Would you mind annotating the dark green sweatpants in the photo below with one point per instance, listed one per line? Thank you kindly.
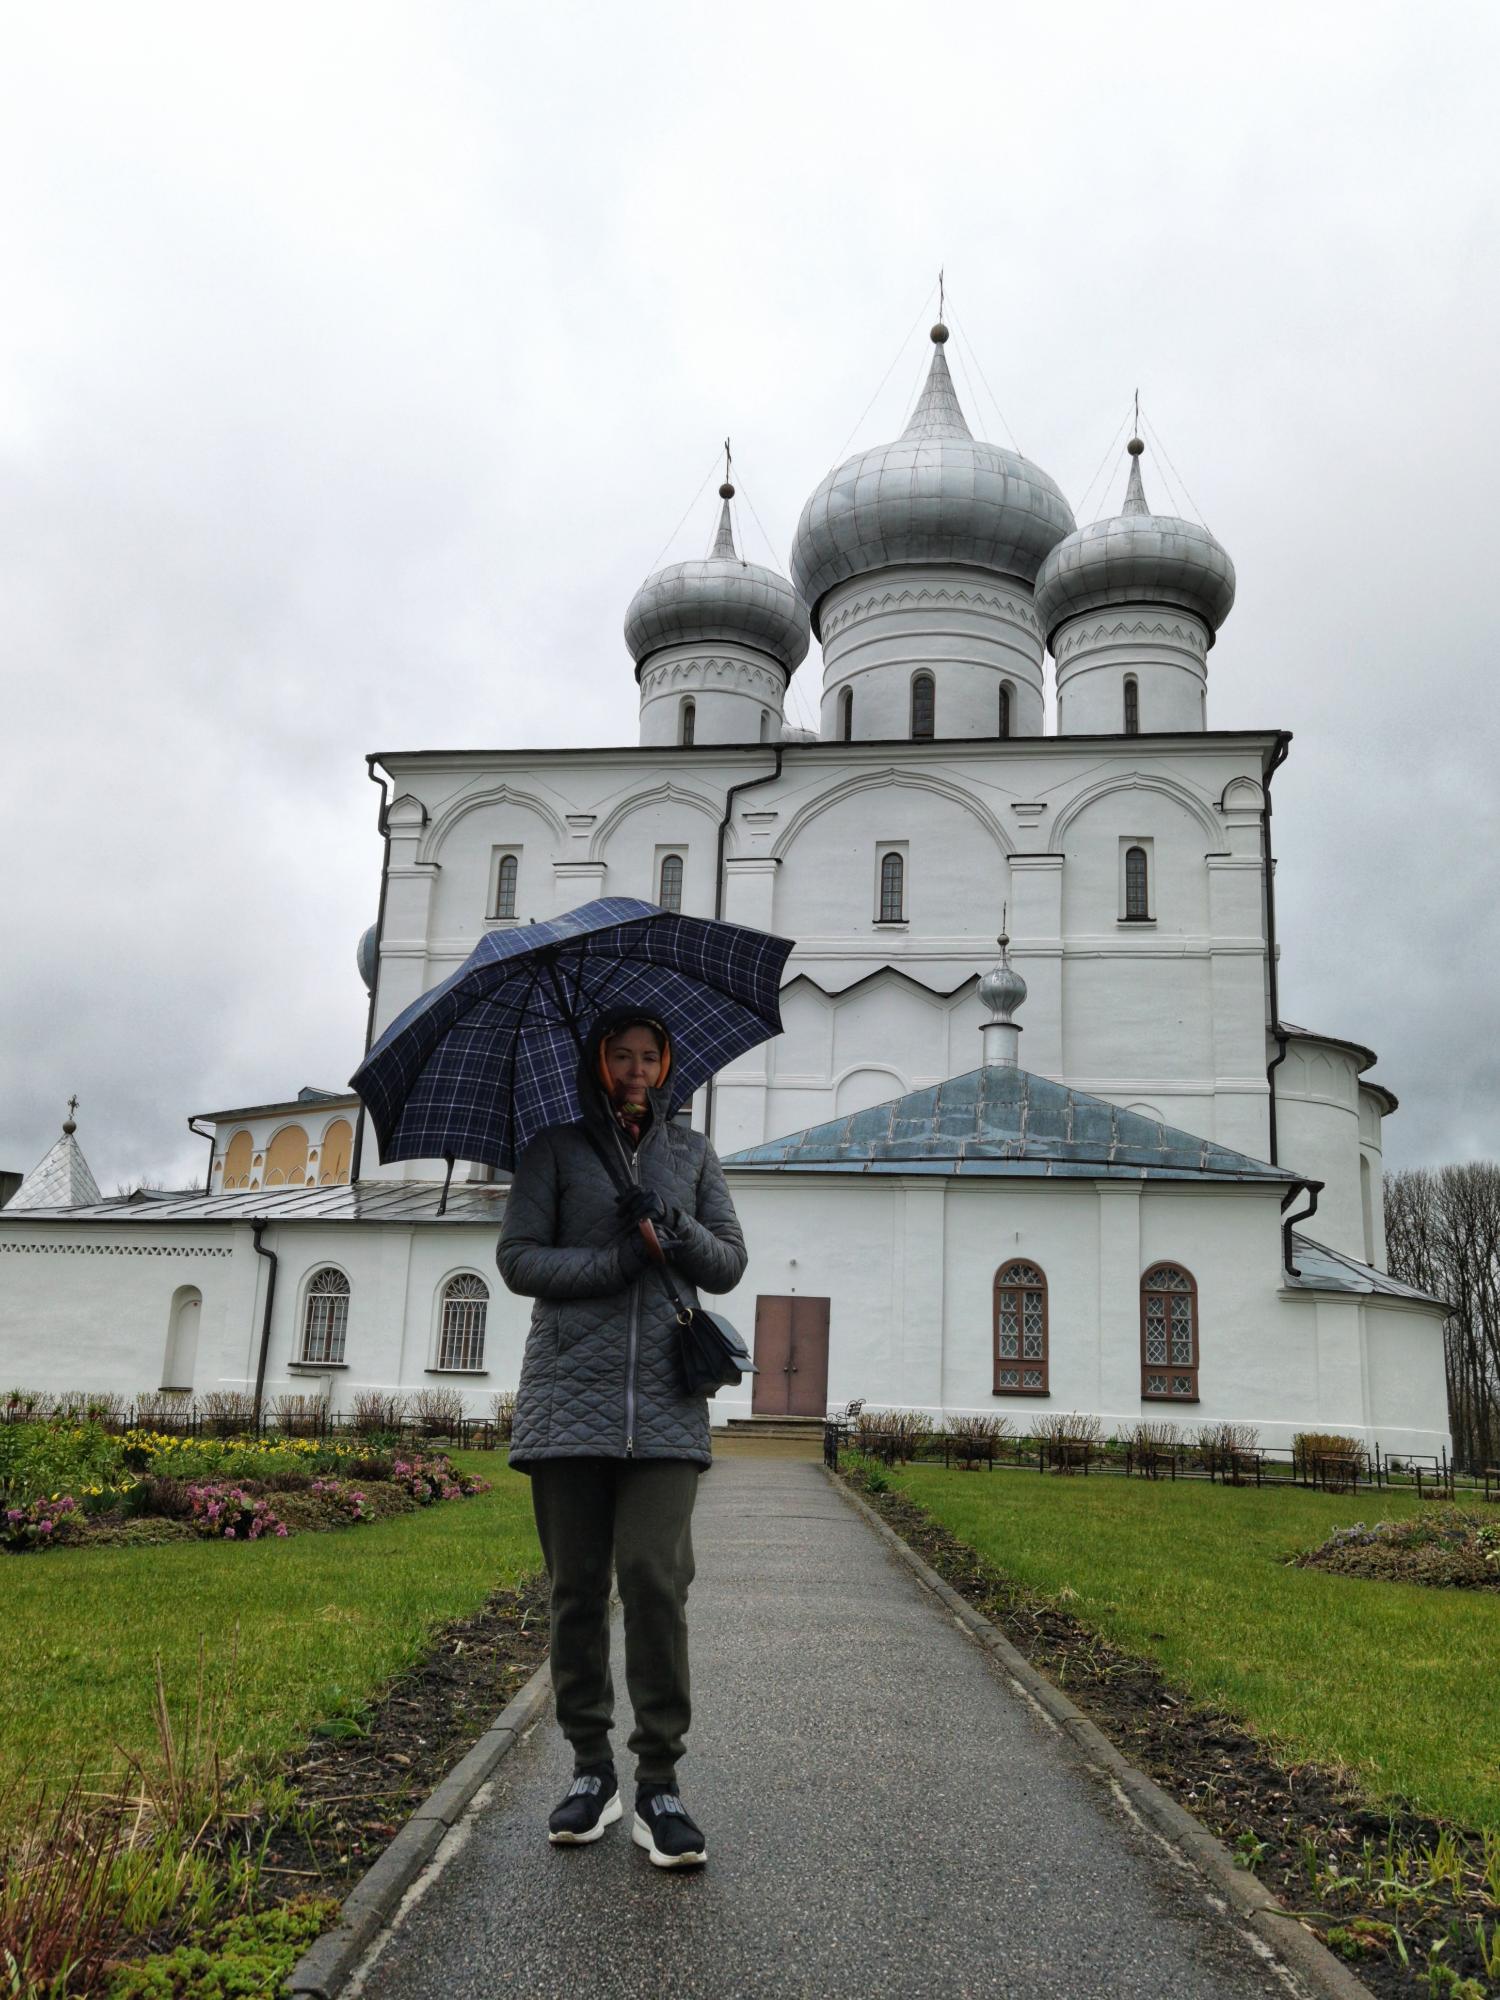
(635, 1515)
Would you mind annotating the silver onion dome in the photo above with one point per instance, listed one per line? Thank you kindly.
(1002, 989)
(1136, 557)
(719, 600)
(936, 494)
(367, 959)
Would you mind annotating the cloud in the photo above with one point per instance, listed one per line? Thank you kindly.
(356, 362)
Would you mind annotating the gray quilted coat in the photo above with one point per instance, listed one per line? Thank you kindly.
(599, 1378)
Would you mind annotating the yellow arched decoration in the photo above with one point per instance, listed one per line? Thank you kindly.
(237, 1162)
(338, 1143)
(286, 1158)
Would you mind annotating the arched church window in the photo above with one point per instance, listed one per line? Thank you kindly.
(1020, 1330)
(325, 1320)
(689, 722)
(466, 1305)
(1005, 694)
(923, 705)
(846, 716)
(669, 889)
(892, 886)
(1137, 884)
(765, 726)
(1132, 706)
(1169, 1334)
(505, 885)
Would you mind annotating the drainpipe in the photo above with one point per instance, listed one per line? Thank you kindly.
(383, 824)
(746, 785)
(257, 1231)
(208, 1178)
(1312, 1189)
(1268, 864)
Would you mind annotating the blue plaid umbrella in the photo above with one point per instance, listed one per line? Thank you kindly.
(478, 1066)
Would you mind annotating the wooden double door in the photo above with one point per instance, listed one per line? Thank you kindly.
(791, 1356)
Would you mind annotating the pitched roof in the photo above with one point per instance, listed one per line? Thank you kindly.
(1003, 1121)
(1320, 1269)
(62, 1179)
(369, 1201)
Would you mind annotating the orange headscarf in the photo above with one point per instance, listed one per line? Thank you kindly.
(666, 1054)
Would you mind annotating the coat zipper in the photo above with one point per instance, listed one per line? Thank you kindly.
(632, 1347)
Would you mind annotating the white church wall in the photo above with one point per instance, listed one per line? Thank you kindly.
(1317, 1124)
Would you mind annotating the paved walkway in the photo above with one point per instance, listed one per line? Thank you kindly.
(885, 1816)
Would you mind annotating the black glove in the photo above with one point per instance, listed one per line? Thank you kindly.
(634, 1256)
(639, 1204)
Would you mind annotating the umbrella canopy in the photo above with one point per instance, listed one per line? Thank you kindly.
(481, 1064)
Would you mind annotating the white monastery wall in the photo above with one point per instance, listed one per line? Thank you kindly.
(1317, 1126)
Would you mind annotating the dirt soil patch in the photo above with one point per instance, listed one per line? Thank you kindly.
(1449, 1549)
(1395, 1893)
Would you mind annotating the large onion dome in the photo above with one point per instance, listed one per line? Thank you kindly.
(937, 494)
(1136, 557)
(720, 600)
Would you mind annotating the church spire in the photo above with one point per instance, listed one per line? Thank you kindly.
(1135, 492)
(723, 549)
(937, 414)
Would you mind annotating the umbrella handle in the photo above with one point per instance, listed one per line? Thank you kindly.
(652, 1242)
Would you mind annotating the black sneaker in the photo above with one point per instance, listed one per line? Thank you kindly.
(663, 1828)
(592, 1804)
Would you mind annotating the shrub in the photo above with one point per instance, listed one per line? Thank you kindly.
(1068, 1436)
(225, 1411)
(1153, 1436)
(158, 1410)
(503, 1414)
(1219, 1445)
(299, 1416)
(375, 1413)
(438, 1412)
(978, 1438)
(892, 1434)
(1310, 1445)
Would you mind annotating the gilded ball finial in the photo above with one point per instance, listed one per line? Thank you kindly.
(1135, 447)
(939, 333)
(726, 491)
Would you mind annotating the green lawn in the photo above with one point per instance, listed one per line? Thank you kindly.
(323, 1621)
(1398, 1682)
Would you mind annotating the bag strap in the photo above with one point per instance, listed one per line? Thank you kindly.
(614, 1167)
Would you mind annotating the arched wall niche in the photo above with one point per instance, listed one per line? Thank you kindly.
(641, 831)
(181, 1356)
(1093, 833)
(237, 1161)
(868, 1083)
(334, 1154)
(452, 816)
(286, 1158)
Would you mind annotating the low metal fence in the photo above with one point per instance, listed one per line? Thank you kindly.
(1428, 1476)
(467, 1434)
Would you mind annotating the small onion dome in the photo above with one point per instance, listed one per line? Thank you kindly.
(937, 494)
(1002, 989)
(364, 957)
(1136, 557)
(720, 600)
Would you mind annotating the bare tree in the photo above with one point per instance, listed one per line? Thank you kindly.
(1443, 1234)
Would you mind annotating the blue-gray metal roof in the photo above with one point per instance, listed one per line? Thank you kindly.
(1320, 1269)
(1003, 1121)
(368, 1201)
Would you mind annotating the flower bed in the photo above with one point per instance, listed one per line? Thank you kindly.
(66, 1484)
(1452, 1548)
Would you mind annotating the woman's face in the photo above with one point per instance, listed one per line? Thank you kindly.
(633, 1058)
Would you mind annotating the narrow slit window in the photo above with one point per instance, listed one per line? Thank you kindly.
(505, 886)
(689, 723)
(892, 889)
(1132, 706)
(1020, 1330)
(1137, 884)
(923, 705)
(466, 1305)
(846, 715)
(1004, 729)
(326, 1319)
(1169, 1335)
(670, 887)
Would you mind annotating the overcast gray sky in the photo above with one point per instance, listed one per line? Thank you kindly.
(357, 360)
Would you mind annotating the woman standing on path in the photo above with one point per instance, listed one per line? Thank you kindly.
(613, 1445)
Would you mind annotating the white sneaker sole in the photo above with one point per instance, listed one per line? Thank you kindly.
(640, 1833)
(607, 1818)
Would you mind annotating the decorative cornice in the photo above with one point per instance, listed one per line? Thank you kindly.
(904, 598)
(702, 668)
(36, 1249)
(1189, 637)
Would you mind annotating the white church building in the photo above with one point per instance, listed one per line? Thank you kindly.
(1103, 1174)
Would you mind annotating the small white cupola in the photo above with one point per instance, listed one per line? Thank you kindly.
(1130, 606)
(715, 644)
(1002, 989)
(916, 561)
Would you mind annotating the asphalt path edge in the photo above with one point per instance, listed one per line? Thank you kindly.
(327, 1964)
(1273, 1929)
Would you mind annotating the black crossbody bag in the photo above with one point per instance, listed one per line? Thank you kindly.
(711, 1355)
